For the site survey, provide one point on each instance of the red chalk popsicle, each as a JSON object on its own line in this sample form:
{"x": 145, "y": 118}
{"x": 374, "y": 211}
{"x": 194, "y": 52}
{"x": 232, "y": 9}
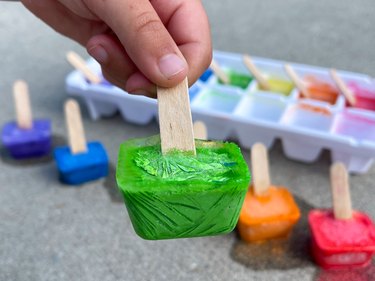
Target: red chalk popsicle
{"x": 341, "y": 238}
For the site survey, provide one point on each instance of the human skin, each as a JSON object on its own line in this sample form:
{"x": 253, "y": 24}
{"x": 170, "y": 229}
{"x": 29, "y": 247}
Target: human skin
{"x": 138, "y": 43}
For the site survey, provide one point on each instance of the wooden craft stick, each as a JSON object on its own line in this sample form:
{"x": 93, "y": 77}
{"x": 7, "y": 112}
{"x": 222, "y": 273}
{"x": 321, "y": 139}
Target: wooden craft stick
{"x": 200, "y": 130}
{"x": 342, "y": 205}
{"x": 296, "y": 80}
{"x": 22, "y": 104}
{"x": 263, "y": 83}
{"x": 259, "y": 163}
{"x": 77, "y": 140}
{"x": 176, "y": 125}
{"x": 219, "y": 72}
{"x": 78, "y": 63}
{"x": 348, "y": 94}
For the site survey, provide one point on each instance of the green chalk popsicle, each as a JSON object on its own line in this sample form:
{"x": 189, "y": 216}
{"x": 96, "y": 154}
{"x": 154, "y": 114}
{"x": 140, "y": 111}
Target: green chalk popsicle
{"x": 237, "y": 79}
{"x": 178, "y": 194}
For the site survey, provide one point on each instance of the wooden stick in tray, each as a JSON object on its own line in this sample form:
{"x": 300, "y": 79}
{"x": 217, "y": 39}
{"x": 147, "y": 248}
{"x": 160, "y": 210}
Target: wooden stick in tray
{"x": 78, "y": 63}
{"x": 219, "y": 72}
{"x": 300, "y": 85}
{"x": 348, "y": 94}
{"x": 263, "y": 83}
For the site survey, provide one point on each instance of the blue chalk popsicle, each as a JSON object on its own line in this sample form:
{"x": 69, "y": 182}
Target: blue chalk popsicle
{"x": 25, "y": 138}
{"x": 82, "y": 167}
{"x": 79, "y": 162}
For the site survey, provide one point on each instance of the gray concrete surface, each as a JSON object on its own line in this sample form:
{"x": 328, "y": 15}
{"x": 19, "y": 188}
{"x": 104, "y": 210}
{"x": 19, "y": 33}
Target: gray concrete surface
{"x": 49, "y": 231}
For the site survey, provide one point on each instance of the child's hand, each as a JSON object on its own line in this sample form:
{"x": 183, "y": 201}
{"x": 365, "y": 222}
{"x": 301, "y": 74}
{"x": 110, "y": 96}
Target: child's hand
{"x": 139, "y": 43}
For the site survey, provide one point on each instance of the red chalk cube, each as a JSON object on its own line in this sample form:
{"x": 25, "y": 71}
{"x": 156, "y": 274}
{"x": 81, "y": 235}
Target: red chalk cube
{"x": 341, "y": 243}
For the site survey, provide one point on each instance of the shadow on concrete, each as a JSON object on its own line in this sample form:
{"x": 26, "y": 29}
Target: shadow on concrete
{"x": 7, "y": 159}
{"x": 358, "y": 274}
{"x": 111, "y": 186}
{"x": 282, "y": 254}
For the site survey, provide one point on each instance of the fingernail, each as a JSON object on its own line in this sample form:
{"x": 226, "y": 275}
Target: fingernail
{"x": 170, "y": 65}
{"x": 98, "y": 53}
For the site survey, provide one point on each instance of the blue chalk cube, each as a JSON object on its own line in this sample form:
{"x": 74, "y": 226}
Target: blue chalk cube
{"x": 82, "y": 167}
{"x": 206, "y": 75}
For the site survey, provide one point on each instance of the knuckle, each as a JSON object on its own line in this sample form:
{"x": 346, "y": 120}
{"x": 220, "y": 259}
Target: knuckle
{"x": 113, "y": 78}
{"x": 147, "y": 22}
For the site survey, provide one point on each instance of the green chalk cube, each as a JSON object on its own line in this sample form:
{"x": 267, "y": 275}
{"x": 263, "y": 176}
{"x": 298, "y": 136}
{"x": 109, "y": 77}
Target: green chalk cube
{"x": 180, "y": 195}
{"x": 237, "y": 79}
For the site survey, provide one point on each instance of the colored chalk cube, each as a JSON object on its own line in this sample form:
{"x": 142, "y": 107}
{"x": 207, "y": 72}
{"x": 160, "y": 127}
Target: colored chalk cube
{"x": 279, "y": 85}
{"x": 180, "y": 195}
{"x": 206, "y": 75}
{"x": 81, "y": 167}
{"x": 321, "y": 90}
{"x": 341, "y": 243}
{"x": 364, "y": 96}
{"x": 237, "y": 79}
{"x": 27, "y": 143}
{"x": 267, "y": 217}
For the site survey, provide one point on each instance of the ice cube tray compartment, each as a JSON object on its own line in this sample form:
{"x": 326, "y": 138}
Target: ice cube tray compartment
{"x": 364, "y": 94}
{"x": 261, "y": 106}
{"x": 214, "y": 106}
{"x": 304, "y": 126}
{"x": 236, "y": 71}
{"x": 309, "y": 116}
{"x": 360, "y": 126}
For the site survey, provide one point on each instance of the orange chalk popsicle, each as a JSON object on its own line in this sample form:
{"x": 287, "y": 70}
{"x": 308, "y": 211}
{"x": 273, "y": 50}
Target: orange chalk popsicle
{"x": 321, "y": 90}
{"x": 268, "y": 211}
{"x": 313, "y": 88}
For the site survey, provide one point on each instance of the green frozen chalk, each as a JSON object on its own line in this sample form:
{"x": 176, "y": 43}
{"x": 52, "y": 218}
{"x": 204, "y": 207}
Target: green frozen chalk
{"x": 237, "y": 79}
{"x": 180, "y": 195}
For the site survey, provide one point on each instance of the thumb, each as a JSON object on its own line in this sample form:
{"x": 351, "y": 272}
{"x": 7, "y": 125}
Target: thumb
{"x": 145, "y": 39}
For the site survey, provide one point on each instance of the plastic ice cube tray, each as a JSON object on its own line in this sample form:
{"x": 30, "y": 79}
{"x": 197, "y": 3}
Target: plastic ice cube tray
{"x": 305, "y": 126}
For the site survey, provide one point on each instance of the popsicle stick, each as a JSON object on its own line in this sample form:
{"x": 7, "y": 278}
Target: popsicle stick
{"x": 259, "y": 163}
{"x": 176, "y": 125}
{"x": 22, "y": 104}
{"x": 77, "y": 140}
{"x": 297, "y": 80}
{"x": 200, "y": 130}
{"x": 263, "y": 83}
{"x": 342, "y": 205}
{"x": 348, "y": 94}
{"x": 219, "y": 72}
{"x": 78, "y": 63}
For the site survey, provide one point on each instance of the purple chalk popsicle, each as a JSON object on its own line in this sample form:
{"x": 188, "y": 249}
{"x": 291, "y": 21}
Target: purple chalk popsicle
{"x": 27, "y": 143}
{"x": 25, "y": 137}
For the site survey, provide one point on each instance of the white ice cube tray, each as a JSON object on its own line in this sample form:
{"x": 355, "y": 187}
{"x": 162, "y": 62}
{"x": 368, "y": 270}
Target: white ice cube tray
{"x": 252, "y": 115}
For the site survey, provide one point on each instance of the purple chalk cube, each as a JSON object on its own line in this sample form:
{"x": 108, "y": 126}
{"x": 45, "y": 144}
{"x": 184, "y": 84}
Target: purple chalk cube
{"x": 27, "y": 143}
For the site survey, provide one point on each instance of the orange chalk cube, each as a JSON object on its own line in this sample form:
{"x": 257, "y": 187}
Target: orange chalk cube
{"x": 266, "y": 217}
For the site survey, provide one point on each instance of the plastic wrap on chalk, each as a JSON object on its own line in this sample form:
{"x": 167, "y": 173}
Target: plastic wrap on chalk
{"x": 180, "y": 195}
{"x": 208, "y": 165}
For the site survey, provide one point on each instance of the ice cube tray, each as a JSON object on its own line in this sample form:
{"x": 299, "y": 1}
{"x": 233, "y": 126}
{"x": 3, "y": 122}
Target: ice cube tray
{"x": 305, "y": 126}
